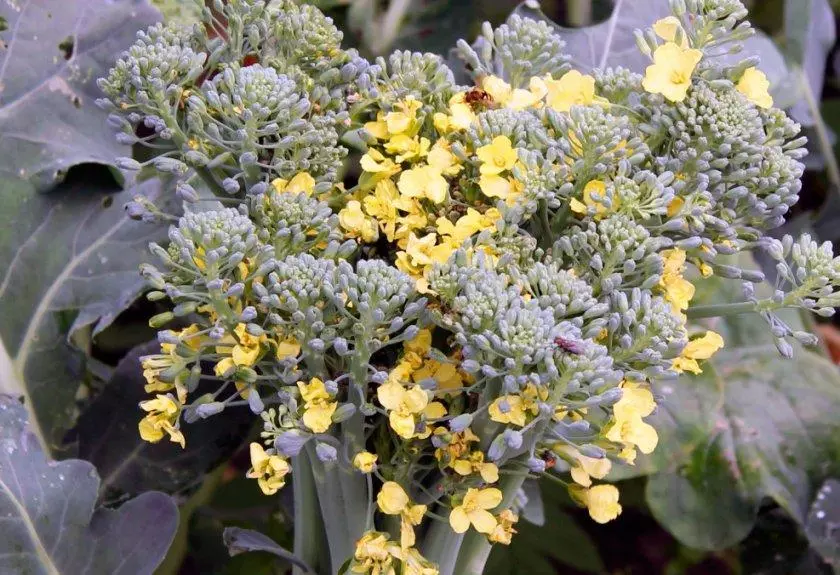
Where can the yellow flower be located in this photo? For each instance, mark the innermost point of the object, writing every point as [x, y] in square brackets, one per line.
[670, 73]
[443, 160]
[393, 500]
[628, 427]
[454, 445]
[583, 467]
[286, 348]
[365, 461]
[424, 182]
[461, 115]
[700, 348]
[224, 366]
[269, 470]
[475, 463]
[497, 187]
[602, 502]
[572, 89]
[514, 408]
[416, 564]
[380, 205]
[497, 157]
[375, 554]
[379, 128]
[313, 391]
[247, 351]
[168, 360]
[446, 375]
[755, 85]
[504, 530]
[404, 117]
[467, 225]
[318, 416]
[376, 167]
[474, 509]
[163, 414]
[405, 148]
[678, 291]
[404, 406]
[318, 405]
[414, 218]
[593, 186]
[357, 224]
[508, 409]
[514, 98]
[422, 254]
[667, 28]
[420, 344]
[302, 182]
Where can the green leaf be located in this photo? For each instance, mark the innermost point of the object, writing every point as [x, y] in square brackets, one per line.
[608, 43]
[50, 525]
[68, 260]
[55, 52]
[809, 37]
[753, 425]
[108, 436]
[823, 522]
[240, 540]
[542, 549]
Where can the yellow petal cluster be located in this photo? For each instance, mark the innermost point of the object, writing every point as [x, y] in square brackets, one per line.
[755, 86]
[602, 502]
[404, 406]
[474, 510]
[162, 419]
[671, 71]
[699, 348]
[269, 469]
[668, 28]
[628, 426]
[365, 461]
[318, 405]
[677, 290]
[393, 500]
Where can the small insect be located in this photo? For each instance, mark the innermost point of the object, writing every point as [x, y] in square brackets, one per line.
[477, 97]
[550, 460]
[569, 345]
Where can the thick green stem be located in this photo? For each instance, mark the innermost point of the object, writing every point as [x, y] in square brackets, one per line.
[441, 545]
[310, 539]
[342, 495]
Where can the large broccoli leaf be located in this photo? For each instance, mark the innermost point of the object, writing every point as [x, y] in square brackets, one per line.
[68, 260]
[55, 51]
[49, 523]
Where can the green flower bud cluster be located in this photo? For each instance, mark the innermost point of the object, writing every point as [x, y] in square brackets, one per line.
[516, 51]
[425, 77]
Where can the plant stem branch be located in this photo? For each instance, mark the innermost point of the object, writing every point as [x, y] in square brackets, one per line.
[719, 310]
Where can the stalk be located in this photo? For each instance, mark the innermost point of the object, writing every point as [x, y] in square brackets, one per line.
[310, 539]
[342, 496]
[441, 545]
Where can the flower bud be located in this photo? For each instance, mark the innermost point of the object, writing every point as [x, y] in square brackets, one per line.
[289, 443]
[326, 452]
[461, 422]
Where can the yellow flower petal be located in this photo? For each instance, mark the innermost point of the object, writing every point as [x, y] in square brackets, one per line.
[392, 498]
